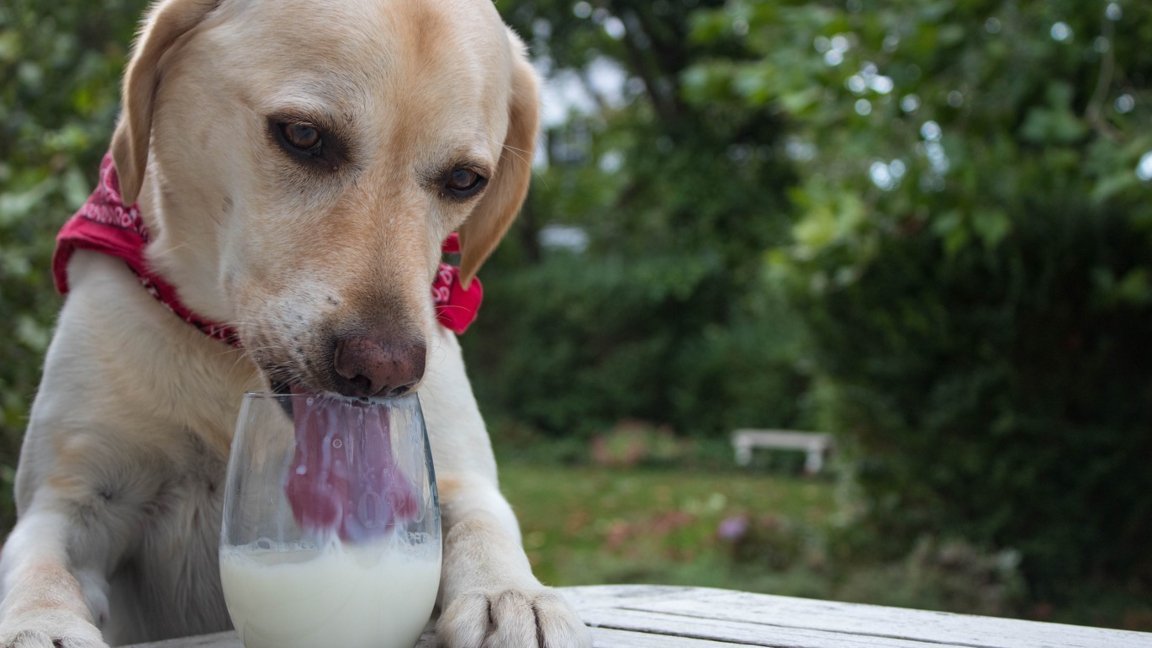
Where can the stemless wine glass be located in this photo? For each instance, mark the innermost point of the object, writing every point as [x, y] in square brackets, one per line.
[331, 529]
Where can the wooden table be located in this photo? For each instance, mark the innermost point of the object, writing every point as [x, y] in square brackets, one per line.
[648, 616]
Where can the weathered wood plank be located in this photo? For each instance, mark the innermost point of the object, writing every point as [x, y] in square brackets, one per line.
[218, 640]
[670, 627]
[645, 616]
[602, 638]
[616, 638]
[231, 640]
[775, 614]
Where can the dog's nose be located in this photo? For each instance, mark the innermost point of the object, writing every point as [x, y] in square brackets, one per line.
[376, 367]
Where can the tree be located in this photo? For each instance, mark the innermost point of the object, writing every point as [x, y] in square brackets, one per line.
[662, 316]
[972, 260]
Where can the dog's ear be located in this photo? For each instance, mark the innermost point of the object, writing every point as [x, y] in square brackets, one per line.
[501, 202]
[167, 21]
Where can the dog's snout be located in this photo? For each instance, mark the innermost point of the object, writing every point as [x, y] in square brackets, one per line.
[370, 366]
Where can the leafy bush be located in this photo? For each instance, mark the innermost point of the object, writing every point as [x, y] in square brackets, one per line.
[664, 317]
[972, 260]
[574, 344]
[767, 542]
[61, 64]
[634, 443]
[1002, 395]
[943, 575]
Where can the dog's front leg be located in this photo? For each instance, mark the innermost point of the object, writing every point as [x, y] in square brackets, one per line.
[488, 595]
[45, 604]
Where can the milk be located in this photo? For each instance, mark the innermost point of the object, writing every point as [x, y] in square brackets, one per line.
[365, 596]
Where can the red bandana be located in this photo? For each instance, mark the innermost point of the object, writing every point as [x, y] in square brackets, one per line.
[105, 224]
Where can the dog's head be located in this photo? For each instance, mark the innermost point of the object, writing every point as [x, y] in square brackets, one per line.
[300, 163]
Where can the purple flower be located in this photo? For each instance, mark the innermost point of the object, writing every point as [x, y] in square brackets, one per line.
[732, 528]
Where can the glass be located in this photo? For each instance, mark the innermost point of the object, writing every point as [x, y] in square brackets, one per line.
[331, 529]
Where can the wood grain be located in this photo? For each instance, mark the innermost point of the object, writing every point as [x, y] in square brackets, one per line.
[648, 616]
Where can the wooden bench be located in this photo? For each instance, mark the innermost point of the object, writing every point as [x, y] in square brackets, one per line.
[816, 445]
[650, 616]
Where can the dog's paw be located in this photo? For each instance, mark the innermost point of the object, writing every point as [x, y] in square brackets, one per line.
[49, 629]
[538, 618]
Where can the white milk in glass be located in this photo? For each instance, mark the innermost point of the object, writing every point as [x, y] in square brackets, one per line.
[347, 596]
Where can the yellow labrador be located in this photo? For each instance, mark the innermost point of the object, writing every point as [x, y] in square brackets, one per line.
[299, 163]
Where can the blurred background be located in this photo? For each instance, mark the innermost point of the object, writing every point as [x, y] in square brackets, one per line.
[921, 226]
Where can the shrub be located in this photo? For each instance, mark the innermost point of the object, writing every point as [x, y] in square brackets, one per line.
[765, 542]
[943, 575]
[573, 344]
[1003, 394]
[633, 443]
[972, 258]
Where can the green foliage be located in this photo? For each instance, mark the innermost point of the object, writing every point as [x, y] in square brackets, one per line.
[747, 531]
[588, 524]
[971, 260]
[996, 397]
[665, 316]
[634, 443]
[571, 345]
[61, 64]
[946, 576]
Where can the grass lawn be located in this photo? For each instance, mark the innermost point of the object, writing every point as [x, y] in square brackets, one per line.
[592, 525]
[585, 525]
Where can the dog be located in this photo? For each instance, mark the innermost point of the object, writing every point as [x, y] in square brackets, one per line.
[297, 165]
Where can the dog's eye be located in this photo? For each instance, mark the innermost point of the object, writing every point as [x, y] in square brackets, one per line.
[318, 147]
[463, 182]
[301, 136]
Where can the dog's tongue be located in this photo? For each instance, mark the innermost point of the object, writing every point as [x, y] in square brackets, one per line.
[344, 477]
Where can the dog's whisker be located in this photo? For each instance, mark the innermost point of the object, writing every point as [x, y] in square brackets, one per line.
[520, 154]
